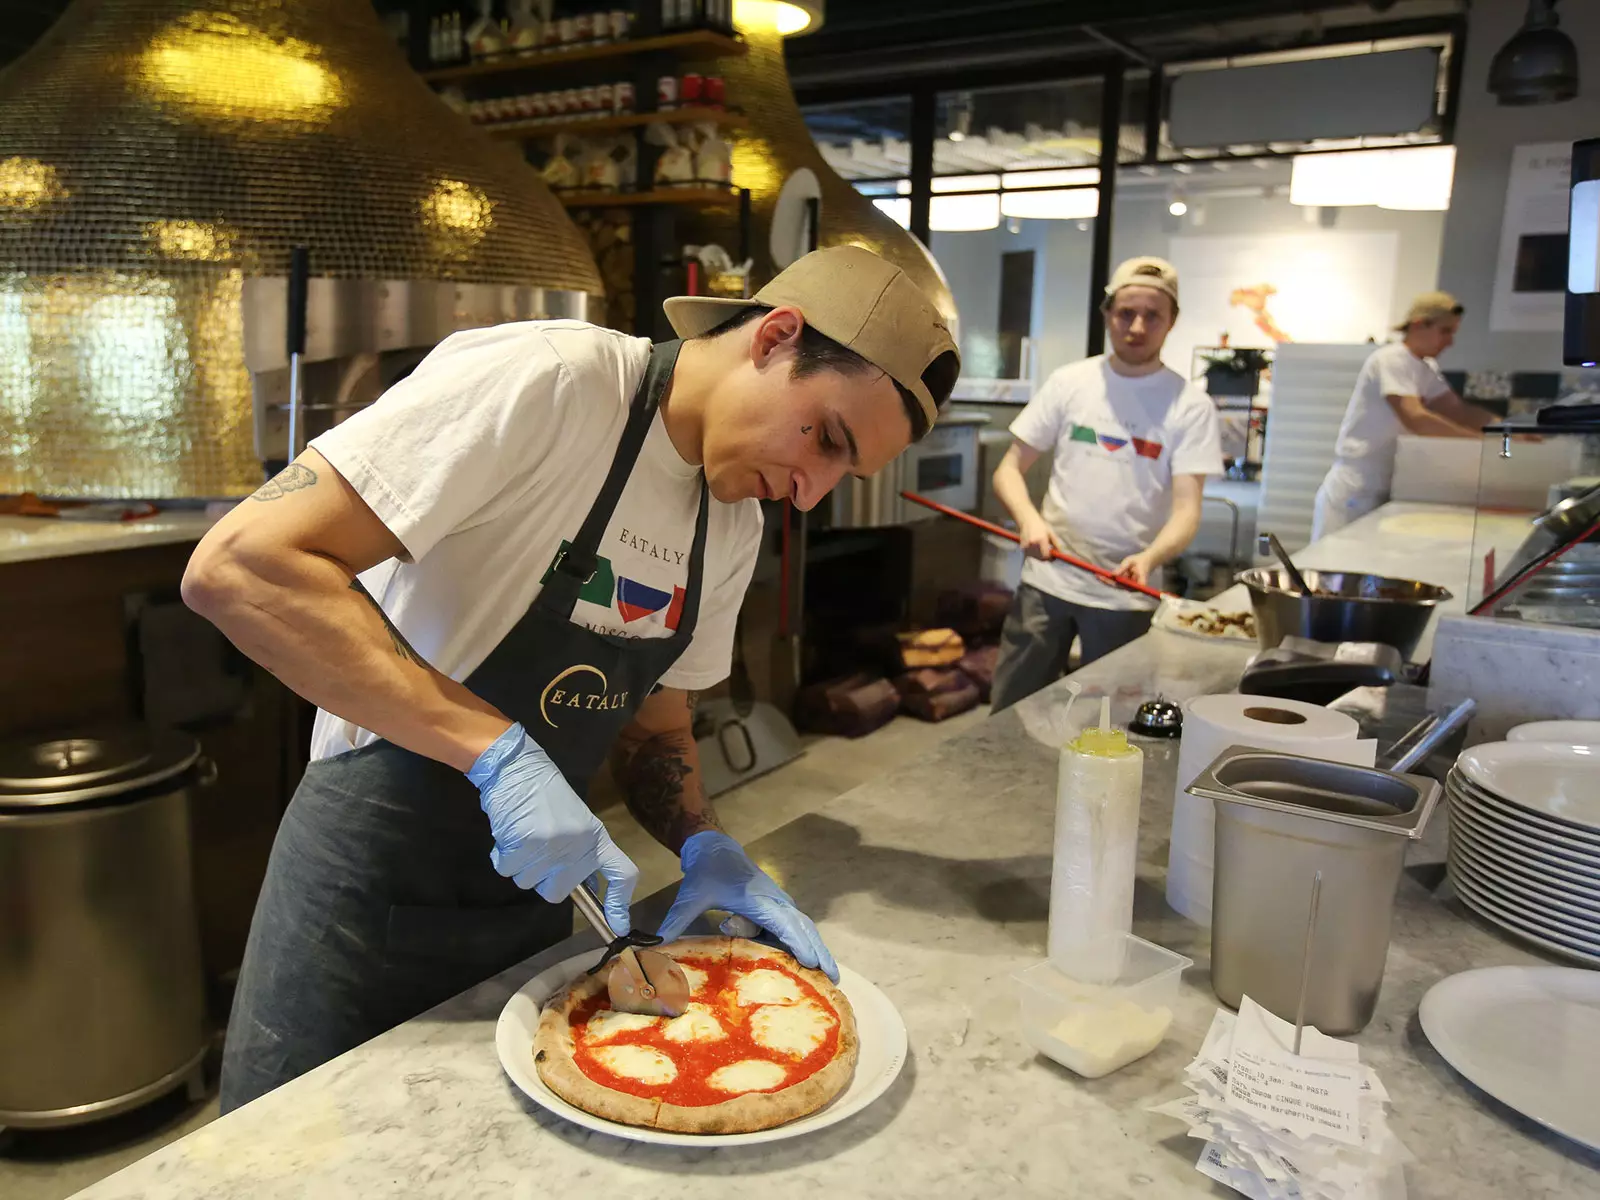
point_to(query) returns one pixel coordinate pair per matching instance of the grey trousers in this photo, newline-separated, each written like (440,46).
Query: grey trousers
(1038,638)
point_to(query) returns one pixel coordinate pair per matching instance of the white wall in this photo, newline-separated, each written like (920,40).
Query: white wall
(1485,135)
(1140,229)
(971,263)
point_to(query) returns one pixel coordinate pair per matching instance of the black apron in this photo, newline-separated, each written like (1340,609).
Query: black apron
(379,899)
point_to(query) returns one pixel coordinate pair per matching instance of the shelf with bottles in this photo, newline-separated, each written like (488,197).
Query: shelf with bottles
(532,37)
(681,162)
(521,130)
(688,99)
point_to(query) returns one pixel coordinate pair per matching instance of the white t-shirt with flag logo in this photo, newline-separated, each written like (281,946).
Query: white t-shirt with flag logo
(487,458)
(1118,441)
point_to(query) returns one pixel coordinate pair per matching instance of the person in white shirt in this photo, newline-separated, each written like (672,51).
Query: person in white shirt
(1399,390)
(1133,444)
(524,558)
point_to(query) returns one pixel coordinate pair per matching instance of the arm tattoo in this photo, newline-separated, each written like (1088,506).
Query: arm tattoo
(662,786)
(291,479)
(401,646)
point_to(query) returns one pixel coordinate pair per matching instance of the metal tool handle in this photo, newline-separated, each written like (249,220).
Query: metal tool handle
(1430,733)
(1305,961)
(586,903)
(1270,541)
(299,283)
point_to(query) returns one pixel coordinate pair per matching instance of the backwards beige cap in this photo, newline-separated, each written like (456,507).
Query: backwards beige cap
(1146,271)
(861,301)
(1431,306)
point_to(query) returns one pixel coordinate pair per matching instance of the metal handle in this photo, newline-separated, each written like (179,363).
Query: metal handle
(584,900)
(1305,961)
(299,281)
(1430,734)
(1270,541)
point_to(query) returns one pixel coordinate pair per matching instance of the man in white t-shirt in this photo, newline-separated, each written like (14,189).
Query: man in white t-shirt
(524,558)
(1133,444)
(1399,390)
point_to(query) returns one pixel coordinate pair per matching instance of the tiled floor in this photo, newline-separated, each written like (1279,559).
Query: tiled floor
(50,1165)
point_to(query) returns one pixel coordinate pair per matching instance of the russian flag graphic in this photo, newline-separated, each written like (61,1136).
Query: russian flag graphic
(636,600)
(1112,443)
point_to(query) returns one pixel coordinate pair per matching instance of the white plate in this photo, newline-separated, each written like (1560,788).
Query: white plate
(1545,834)
(1563,781)
(1534,847)
(1528,1036)
(882,1054)
(1566,733)
(1560,911)
(1581,898)
(1522,927)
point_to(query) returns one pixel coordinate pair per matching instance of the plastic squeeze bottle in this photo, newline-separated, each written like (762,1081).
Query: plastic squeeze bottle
(1096,851)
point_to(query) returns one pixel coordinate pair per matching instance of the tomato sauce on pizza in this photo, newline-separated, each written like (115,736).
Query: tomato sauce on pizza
(762,1042)
(706,1048)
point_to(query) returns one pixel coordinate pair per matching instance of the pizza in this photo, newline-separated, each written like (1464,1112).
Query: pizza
(763,1042)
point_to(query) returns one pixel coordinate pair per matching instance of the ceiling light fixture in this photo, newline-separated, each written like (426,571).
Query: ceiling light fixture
(1416,178)
(1539,65)
(1177,208)
(1063,204)
(790,18)
(964,214)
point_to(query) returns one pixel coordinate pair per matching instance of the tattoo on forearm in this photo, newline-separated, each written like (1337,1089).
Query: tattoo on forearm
(292,478)
(401,646)
(662,787)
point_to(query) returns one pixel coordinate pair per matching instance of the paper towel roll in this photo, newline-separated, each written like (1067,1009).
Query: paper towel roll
(1211,724)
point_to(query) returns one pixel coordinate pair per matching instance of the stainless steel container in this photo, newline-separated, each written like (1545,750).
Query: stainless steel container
(1281,819)
(102,1002)
(1350,608)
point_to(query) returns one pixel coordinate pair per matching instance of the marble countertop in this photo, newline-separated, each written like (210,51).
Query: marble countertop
(933,882)
(25,539)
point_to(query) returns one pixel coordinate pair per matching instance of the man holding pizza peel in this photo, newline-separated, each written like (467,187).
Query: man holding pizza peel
(526,556)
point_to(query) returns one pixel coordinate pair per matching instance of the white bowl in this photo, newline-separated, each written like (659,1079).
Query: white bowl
(1563,781)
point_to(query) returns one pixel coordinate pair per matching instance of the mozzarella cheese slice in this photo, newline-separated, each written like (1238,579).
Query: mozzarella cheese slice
(637,1062)
(695,976)
(697,1024)
(748,1075)
(606,1025)
(792,1029)
(766,986)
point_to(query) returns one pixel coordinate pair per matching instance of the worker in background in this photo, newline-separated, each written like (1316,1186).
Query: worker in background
(1133,443)
(1399,390)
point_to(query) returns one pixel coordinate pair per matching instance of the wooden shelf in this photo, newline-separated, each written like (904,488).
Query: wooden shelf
(682,195)
(696,43)
(523,130)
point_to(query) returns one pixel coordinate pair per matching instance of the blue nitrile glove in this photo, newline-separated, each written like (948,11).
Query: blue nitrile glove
(717,873)
(545,837)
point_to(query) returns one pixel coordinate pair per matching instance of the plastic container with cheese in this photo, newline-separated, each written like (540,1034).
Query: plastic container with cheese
(1096,1027)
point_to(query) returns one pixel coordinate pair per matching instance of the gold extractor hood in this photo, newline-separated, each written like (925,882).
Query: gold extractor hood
(776,144)
(158,159)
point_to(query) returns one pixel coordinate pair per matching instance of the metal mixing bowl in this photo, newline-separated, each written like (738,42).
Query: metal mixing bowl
(1352,608)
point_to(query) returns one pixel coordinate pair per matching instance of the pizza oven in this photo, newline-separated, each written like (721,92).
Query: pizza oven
(159,159)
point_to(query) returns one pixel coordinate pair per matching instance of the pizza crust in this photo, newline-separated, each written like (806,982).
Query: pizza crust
(554,1048)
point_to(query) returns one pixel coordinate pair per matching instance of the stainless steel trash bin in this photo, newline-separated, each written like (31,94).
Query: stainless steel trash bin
(102,1002)
(1282,818)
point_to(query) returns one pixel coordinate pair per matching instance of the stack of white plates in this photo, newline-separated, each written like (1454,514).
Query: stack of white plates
(1525,842)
